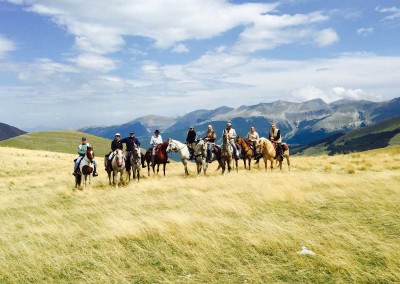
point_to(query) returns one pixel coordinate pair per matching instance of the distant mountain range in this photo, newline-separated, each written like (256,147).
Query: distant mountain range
(8,131)
(300,123)
(379,135)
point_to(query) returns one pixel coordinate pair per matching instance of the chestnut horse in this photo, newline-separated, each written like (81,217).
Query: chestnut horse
(160,157)
(85,168)
(247,151)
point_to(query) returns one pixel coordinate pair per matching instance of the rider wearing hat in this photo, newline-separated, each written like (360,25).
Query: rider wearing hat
(155,140)
(191,141)
(81,152)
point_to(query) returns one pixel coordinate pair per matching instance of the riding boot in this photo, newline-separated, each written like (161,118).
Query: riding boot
(95,174)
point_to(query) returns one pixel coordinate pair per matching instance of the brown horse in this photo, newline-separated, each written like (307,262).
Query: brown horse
(247,151)
(86,167)
(160,157)
(268,152)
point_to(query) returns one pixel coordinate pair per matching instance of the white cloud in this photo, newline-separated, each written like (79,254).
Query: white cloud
(393,11)
(326,37)
(6,46)
(270,31)
(365,31)
(106,28)
(94,62)
(180,48)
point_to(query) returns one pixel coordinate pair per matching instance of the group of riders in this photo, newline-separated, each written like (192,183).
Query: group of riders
(191,139)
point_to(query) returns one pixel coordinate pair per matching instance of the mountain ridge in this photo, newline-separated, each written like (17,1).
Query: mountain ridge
(300,123)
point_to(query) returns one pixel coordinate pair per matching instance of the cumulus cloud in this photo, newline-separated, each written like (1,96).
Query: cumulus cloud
(94,62)
(6,46)
(393,11)
(326,37)
(270,31)
(105,29)
(365,31)
(180,48)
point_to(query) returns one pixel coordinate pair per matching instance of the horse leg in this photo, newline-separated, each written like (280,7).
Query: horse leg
(164,168)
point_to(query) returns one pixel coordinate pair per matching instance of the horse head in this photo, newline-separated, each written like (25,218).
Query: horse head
(90,154)
(171,146)
(119,157)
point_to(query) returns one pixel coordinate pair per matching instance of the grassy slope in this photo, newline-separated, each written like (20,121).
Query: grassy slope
(57,141)
(375,136)
(245,227)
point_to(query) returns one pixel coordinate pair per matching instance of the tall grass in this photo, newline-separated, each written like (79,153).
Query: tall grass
(245,227)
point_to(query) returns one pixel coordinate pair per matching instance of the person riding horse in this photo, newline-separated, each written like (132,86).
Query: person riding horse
(211,135)
(155,140)
(275,137)
(115,144)
(81,152)
(130,143)
(191,141)
(252,138)
(232,138)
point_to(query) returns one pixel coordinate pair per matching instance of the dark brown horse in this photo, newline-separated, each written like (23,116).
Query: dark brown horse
(159,158)
(247,151)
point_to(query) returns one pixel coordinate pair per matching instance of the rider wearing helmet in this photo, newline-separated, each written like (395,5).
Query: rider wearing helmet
(81,152)
(115,144)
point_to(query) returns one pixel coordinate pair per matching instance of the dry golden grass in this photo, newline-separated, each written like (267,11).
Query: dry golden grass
(245,227)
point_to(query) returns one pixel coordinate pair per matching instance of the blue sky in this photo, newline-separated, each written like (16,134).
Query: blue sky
(66,64)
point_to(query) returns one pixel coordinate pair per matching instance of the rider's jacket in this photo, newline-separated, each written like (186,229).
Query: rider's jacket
(231,134)
(116,144)
(252,136)
(82,149)
(211,135)
(191,136)
(275,136)
(130,142)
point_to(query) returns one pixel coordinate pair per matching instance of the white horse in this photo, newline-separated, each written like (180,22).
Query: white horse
(86,167)
(182,149)
(135,160)
(117,168)
(200,156)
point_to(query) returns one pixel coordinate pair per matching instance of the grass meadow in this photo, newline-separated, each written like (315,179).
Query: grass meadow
(246,227)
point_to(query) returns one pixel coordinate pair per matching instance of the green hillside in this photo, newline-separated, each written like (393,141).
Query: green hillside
(57,141)
(379,135)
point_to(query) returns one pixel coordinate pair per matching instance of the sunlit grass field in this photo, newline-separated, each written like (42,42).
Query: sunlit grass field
(246,227)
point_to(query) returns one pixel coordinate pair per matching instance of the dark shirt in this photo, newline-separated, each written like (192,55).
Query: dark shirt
(130,142)
(116,144)
(191,137)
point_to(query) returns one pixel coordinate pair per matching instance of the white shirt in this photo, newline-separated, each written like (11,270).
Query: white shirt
(156,140)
